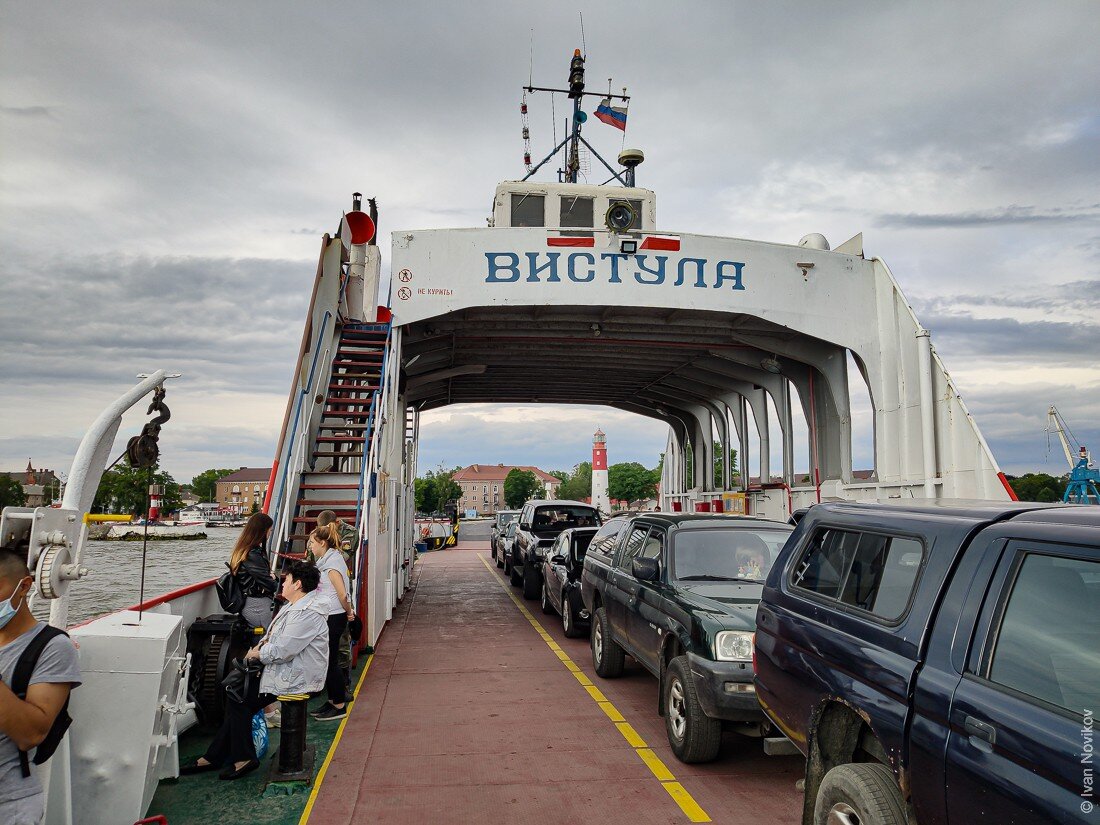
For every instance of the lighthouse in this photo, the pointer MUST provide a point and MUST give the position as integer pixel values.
(599, 472)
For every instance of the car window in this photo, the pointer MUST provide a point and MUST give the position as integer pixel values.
(631, 547)
(725, 553)
(653, 544)
(868, 571)
(1046, 645)
(511, 531)
(580, 547)
(562, 517)
(604, 539)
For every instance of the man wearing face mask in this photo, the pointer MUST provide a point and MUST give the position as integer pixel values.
(24, 723)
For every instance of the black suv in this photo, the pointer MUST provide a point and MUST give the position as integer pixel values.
(679, 593)
(540, 522)
(937, 662)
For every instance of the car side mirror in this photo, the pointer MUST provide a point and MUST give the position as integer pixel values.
(523, 525)
(557, 558)
(646, 570)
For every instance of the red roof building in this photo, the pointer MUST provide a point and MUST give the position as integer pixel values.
(483, 486)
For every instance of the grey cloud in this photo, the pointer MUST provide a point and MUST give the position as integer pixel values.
(26, 111)
(995, 217)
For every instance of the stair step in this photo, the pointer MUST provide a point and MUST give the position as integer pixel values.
(341, 439)
(311, 503)
(360, 356)
(328, 486)
(309, 519)
(344, 402)
(326, 454)
(345, 414)
(345, 426)
(359, 331)
(355, 387)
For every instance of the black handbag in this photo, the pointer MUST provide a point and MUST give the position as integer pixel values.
(238, 682)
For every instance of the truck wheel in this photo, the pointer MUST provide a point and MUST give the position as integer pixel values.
(607, 657)
(863, 792)
(568, 620)
(530, 582)
(514, 575)
(693, 735)
(547, 605)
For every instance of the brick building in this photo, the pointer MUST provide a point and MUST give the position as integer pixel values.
(483, 486)
(240, 492)
(40, 487)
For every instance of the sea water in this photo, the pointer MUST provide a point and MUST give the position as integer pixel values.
(114, 572)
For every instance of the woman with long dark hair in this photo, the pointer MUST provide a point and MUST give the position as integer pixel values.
(249, 564)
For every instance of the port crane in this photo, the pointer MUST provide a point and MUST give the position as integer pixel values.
(1083, 477)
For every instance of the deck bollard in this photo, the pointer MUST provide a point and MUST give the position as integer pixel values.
(294, 762)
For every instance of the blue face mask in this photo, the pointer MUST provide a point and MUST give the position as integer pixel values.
(8, 609)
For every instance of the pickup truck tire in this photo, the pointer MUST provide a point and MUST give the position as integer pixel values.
(860, 792)
(530, 582)
(546, 605)
(693, 735)
(607, 657)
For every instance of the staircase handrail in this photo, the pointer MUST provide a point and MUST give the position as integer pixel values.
(369, 456)
(293, 467)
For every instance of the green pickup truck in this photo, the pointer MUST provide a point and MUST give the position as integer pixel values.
(679, 593)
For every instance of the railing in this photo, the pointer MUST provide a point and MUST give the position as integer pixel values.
(281, 504)
(369, 458)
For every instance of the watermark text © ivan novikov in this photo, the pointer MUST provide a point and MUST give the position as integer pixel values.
(1087, 761)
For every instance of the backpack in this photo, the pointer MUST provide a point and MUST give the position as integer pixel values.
(230, 592)
(20, 683)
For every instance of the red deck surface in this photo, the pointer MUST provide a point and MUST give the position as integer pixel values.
(467, 715)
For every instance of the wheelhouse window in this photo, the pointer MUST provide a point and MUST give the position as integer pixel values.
(725, 554)
(576, 212)
(868, 571)
(528, 210)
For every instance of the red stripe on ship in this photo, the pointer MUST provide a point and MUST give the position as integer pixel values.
(665, 244)
(587, 242)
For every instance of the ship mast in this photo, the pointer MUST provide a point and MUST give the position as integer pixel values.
(576, 93)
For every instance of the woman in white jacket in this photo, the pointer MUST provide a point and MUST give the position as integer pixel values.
(295, 657)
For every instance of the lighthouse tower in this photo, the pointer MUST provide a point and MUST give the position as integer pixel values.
(599, 472)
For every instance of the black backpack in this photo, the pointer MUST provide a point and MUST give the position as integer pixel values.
(230, 592)
(21, 681)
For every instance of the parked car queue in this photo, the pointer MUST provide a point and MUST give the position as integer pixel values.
(680, 594)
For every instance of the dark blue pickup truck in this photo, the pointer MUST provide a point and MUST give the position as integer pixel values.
(937, 663)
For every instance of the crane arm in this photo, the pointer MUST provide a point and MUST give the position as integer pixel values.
(1058, 426)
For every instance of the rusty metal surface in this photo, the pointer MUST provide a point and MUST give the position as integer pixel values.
(467, 715)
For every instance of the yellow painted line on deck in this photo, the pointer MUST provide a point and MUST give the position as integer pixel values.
(332, 748)
(651, 760)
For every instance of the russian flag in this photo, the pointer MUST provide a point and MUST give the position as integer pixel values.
(611, 115)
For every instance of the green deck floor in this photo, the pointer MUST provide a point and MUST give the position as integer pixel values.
(204, 799)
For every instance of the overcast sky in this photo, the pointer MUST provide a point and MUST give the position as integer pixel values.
(167, 171)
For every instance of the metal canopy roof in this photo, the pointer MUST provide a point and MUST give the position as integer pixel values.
(633, 358)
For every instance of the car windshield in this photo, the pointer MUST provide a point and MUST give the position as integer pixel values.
(563, 517)
(725, 554)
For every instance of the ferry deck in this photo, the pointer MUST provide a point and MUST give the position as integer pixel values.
(474, 707)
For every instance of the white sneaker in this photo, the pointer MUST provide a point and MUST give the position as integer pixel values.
(274, 719)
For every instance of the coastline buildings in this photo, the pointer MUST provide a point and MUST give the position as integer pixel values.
(483, 486)
(41, 487)
(242, 493)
